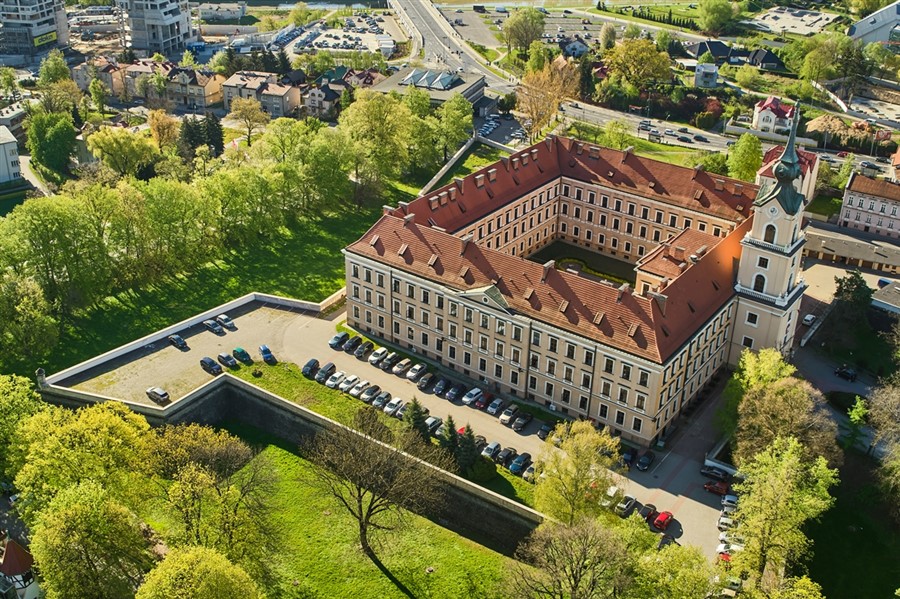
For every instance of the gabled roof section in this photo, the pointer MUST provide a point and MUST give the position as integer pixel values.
(874, 187)
(428, 79)
(778, 108)
(491, 293)
(16, 560)
(666, 259)
(770, 159)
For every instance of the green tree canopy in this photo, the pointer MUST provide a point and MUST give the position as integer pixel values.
(197, 573)
(715, 15)
(745, 157)
(249, 113)
(755, 370)
(639, 62)
(53, 69)
(51, 140)
(18, 401)
(121, 150)
(523, 27)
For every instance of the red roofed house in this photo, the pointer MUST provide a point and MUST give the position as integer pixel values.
(717, 265)
(809, 171)
(772, 115)
(16, 573)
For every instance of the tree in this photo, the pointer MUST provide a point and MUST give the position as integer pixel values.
(853, 66)
(26, 317)
(61, 96)
(785, 408)
(376, 484)
(198, 573)
(415, 417)
(713, 162)
(191, 135)
(541, 92)
(674, 572)
(467, 451)
(347, 98)
(9, 84)
(454, 119)
(378, 126)
(884, 415)
(51, 140)
(798, 588)
(121, 150)
(450, 439)
(99, 92)
(213, 135)
(663, 40)
(507, 102)
(748, 77)
(782, 490)
(53, 69)
(715, 15)
(707, 58)
(745, 157)
(856, 419)
(852, 298)
(523, 27)
(632, 32)
(755, 370)
(571, 482)
(607, 36)
(284, 65)
(864, 8)
(163, 128)
(250, 114)
(18, 401)
(89, 545)
(638, 62)
(616, 134)
(538, 55)
(581, 561)
(187, 59)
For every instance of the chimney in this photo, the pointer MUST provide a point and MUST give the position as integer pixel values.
(548, 266)
(465, 243)
(408, 219)
(678, 253)
(697, 170)
(623, 290)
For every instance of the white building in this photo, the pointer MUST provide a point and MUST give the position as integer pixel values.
(809, 171)
(151, 27)
(9, 156)
(30, 27)
(706, 76)
(222, 12)
(772, 115)
(16, 575)
(877, 26)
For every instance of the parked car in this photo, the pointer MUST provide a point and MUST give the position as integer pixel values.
(683, 130)
(226, 359)
(506, 455)
(338, 341)
(496, 407)
(544, 431)
(348, 383)
(729, 144)
(663, 520)
(626, 505)
(177, 341)
(521, 421)
(730, 500)
(728, 548)
(456, 391)
(730, 537)
(425, 382)
(310, 368)
(518, 465)
(843, 154)
(377, 356)
(381, 400)
(369, 394)
(867, 164)
(529, 474)
(157, 394)
(416, 372)
(648, 512)
(392, 406)
(715, 473)
(433, 423)
(352, 343)
(845, 372)
(611, 498)
(728, 510)
(389, 360)
(628, 457)
(670, 133)
(442, 385)
(480, 442)
(718, 487)
(401, 367)
(210, 365)
(509, 414)
(644, 462)
(883, 160)
(362, 352)
(471, 396)
(358, 388)
(809, 319)
(335, 379)
(725, 523)
(214, 326)
(226, 322)
(491, 450)
(399, 414)
(267, 355)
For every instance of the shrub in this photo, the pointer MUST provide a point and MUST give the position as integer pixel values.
(483, 471)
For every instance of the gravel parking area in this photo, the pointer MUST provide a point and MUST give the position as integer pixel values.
(474, 28)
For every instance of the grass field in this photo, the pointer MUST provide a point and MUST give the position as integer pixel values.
(316, 553)
(672, 154)
(825, 206)
(477, 157)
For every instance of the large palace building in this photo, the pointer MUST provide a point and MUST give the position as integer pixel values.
(716, 264)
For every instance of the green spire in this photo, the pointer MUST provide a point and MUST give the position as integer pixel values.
(786, 171)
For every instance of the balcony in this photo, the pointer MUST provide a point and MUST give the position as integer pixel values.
(786, 250)
(780, 300)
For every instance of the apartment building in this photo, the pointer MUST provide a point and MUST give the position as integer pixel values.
(446, 276)
(162, 26)
(9, 157)
(194, 89)
(32, 27)
(870, 205)
(105, 69)
(277, 99)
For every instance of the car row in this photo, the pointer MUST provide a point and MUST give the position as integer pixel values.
(729, 541)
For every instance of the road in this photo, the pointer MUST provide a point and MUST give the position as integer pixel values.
(27, 173)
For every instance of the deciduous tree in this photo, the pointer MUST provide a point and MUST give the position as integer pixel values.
(53, 68)
(51, 140)
(638, 62)
(607, 36)
(616, 134)
(9, 83)
(745, 157)
(523, 27)
(249, 113)
(26, 317)
(539, 95)
(674, 572)
(62, 96)
(198, 573)
(755, 370)
(99, 92)
(121, 150)
(715, 15)
(454, 119)
(884, 415)
(378, 126)
(163, 128)
(852, 298)
(18, 401)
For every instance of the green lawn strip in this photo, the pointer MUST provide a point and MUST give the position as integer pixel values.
(475, 158)
(672, 154)
(855, 544)
(628, 17)
(511, 486)
(825, 206)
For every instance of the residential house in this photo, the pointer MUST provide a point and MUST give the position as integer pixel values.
(323, 101)
(805, 183)
(440, 85)
(573, 47)
(364, 78)
(194, 89)
(144, 68)
(17, 578)
(105, 69)
(765, 59)
(870, 205)
(13, 118)
(222, 12)
(9, 157)
(295, 77)
(878, 26)
(706, 76)
(772, 115)
(245, 84)
(719, 50)
(277, 99)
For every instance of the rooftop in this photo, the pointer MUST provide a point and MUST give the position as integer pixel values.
(6, 136)
(807, 161)
(781, 110)
(440, 85)
(874, 187)
(673, 257)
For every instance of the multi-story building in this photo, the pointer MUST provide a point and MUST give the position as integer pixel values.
(772, 115)
(162, 26)
(870, 205)
(809, 171)
(194, 89)
(447, 276)
(105, 69)
(13, 118)
(9, 156)
(222, 12)
(277, 99)
(31, 27)
(706, 76)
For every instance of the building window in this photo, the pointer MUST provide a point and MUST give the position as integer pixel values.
(586, 380)
(454, 307)
(425, 296)
(379, 280)
(451, 352)
(534, 360)
(752, 318)
(623, 395)
(566, 395)
(554, 342)
(608, 366)
(643, 378)
(639, 402)
(568, 373)
(451, 330)
(355, 270)
(759, 284)
(513, 378)
(551, 367)
(583, 403)
(482, 364)
(483, 343)
(548, 389)
(570, 351)
(468, 317)
(532, 382)
(620, 417)
(604, 411)
(769, 235)
(589, 358)
(424, 339)
(410, 291)
(410, 334)
(515, 355)
(484, 321)
(636, 425)
(498, 371)
(762, 262)
(748, 342)
(501, 327)
(536, 338)
(467, 358)
(498, 349)
(626, 372)
(467, 337)
(517, 333)
(356, 312)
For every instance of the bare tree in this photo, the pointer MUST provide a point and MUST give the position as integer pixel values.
(541, 93)
(884, 415)
(373, 475)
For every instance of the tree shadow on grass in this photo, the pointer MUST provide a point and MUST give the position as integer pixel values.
(390, 576)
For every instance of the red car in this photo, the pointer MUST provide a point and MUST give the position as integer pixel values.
(843, 154)
(719, 488)
(663, 520)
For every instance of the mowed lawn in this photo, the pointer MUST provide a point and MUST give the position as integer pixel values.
(304, 263)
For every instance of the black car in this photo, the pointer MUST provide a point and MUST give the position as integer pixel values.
(389, 361)
(425, 381)
(521, 421)
(338, 341)
(684, 139)
(544, 431)
(226, 359)
(214, 326)
(310, 368)
(210, 365)
(519, 464)
(700, 138)
(177, 341)
(362, 352)
(480, 443)
(628, 457)
(845, 372)
(645, 461)
(369, 394)
(352, 343)
(883, 160)
(325, 372)
(506, 455)
(456, 391)
(715, 473)
(442, 386)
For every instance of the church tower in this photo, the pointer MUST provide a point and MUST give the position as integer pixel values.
(768, 285)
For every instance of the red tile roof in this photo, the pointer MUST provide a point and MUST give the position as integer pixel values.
(650, 328)
(782, 111)
(874, 187)
(895, 158)
(770, 158)
(16, 560)
(458, 204)
(666, 259)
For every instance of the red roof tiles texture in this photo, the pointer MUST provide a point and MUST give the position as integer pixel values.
(782, 111)
(16, 560)
(770, 158)
(874, 187)
(665, 260)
